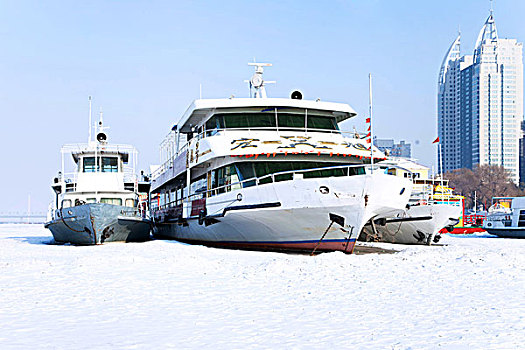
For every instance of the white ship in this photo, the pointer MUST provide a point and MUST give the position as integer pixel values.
(270, 174)
(430, 209)
(99, 200)
(506, 217)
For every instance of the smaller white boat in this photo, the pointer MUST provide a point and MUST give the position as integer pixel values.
(506, 217)
(431, 207)
(102, 199)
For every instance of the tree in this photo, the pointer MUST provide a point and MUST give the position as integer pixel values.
(486, 180)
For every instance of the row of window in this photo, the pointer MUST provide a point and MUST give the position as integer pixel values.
(270, 120)
(229, 177)
(66, 203)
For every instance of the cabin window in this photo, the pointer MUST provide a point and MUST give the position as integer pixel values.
(225, 176)
(326, 123)
(91, 200)
(130, 202)
(66, 203)
(109, 164)
(114, 201)
(247, 120)
(248, 170)
(266, 168)
(199, 185)
(521, 219)
(89, 164)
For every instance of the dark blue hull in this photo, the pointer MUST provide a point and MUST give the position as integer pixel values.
(98, 223)
(506, 233)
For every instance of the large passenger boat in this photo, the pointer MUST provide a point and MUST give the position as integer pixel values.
(270, 174)
(102, 199)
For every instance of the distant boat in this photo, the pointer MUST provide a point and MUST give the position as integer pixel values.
(506, 217)
(100, 201)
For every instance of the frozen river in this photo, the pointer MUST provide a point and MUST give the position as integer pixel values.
(468, 294)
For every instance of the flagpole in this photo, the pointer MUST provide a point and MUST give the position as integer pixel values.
(441, 162)
(371, 128)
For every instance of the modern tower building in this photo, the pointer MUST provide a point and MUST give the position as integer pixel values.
(480, 103)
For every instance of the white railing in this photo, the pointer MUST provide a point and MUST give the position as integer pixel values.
(167, 164)
(69, 180)
(279, 177)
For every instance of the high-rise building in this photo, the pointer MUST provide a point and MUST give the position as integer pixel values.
(480, 103)
(522, 156)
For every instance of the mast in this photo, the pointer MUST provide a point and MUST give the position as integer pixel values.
(371, 128)
(29, 208)
(475, 206)
(257, 81)
(90, 126)
(441, 163)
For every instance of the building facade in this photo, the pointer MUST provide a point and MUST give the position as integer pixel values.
(480, 103)
(401, 149)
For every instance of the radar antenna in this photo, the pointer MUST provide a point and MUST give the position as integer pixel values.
(257, 82)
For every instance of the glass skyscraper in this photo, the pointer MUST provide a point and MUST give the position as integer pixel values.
(480, 103)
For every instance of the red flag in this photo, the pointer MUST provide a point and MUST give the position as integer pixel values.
(368, 135)
(368, 141)
(436, 140)
(369, 128)
(368, 120)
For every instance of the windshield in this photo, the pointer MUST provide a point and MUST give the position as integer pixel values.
(271, 119)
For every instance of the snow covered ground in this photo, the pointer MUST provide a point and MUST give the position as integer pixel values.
(469, 294)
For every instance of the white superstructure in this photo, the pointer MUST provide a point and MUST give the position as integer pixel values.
(269, 173)
(506, 217)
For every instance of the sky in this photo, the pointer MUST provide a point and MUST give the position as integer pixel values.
(143, 62)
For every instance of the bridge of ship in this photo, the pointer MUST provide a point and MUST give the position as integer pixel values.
(218, 138)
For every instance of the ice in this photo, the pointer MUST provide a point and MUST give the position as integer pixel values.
(468, 293)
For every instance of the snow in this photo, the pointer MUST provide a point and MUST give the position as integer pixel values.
(468, 293)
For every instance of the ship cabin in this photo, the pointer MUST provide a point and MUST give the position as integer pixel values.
(222, 145)
(99, 173)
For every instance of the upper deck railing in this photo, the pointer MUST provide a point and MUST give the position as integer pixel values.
(75, 148)
(220, 132)
(70, 179)
(324, 172)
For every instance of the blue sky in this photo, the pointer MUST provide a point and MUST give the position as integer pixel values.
(143, 61)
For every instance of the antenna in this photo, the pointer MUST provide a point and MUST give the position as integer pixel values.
(257, 81)
(491, 9)
(200, 91)
(90, 126)
(101, 120)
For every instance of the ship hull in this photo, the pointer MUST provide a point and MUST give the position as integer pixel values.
(506, 233)
(292, 215)
(427, 221)
(98, 223)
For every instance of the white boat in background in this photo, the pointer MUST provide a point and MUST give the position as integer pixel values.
(102, 199)
(270, 174)
(506, 217)
(431, 207)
